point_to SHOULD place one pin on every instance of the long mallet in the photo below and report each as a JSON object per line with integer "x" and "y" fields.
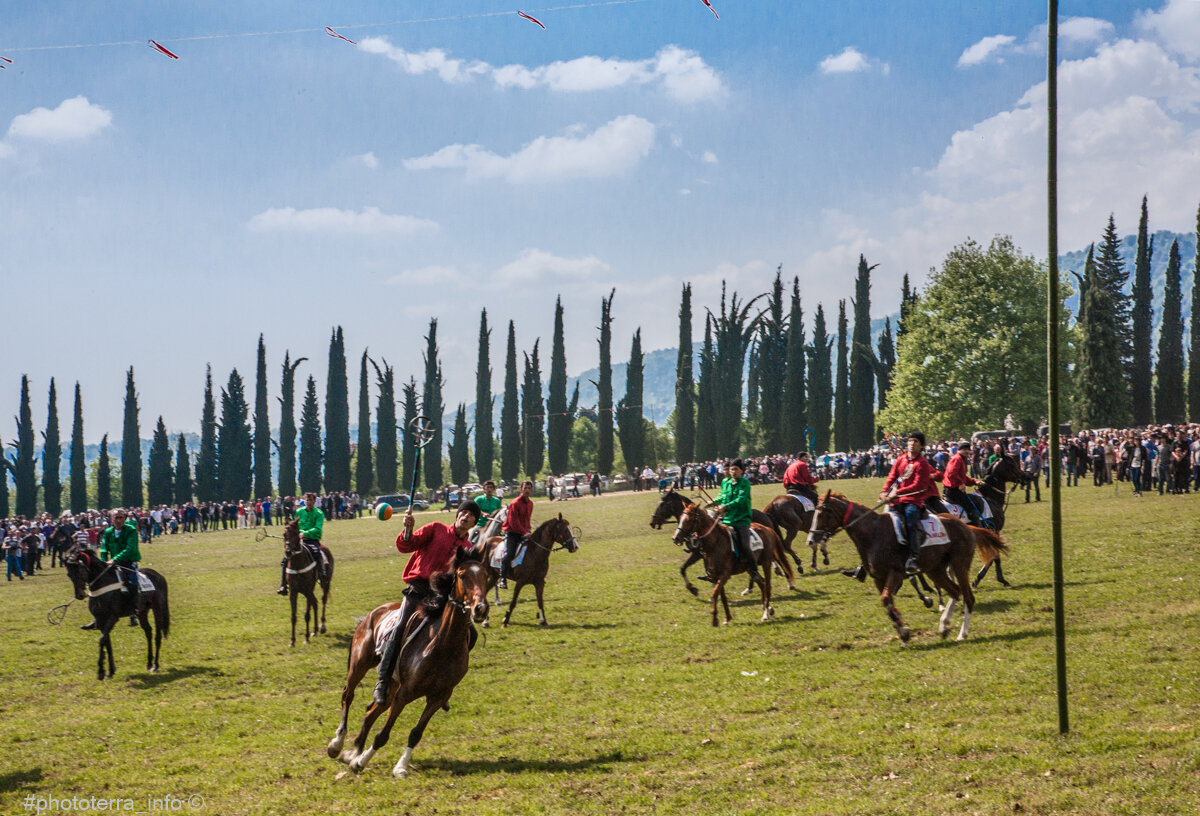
{"x": 421, "y": 433}
{"x": 262, "y": 534}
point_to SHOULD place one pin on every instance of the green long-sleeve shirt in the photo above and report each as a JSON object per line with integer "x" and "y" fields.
{"x": 735, "y": 498}
{"x": 311, "y": 521}
{"x": 120, "y": 545}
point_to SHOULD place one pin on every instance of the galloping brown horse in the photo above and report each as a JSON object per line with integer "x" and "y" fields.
{"x": 790, "y": 514}
{"x": 715, "y": 544}
{"x": 535, "y": 563}
{"x": 874, "y": 537}
{"x": 432, "y": 660}
{"x": 301, "y": 570}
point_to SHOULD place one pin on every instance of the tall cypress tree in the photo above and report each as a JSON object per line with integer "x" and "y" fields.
{"x": 160, "y": 476}
{"x": 706, "y": 420}
{"x": 79, "y": 498}
{"x": 1169, "y": 392}
{"x": 262, "y": 427}
{"x": 558, "y": 423}
{"x": 1101, "y": 401}
{"x": 287, "y": 427}
{"x": 510, "y": 413}
{"x": 235, "y": 470}
{"x": 685, "y": 387}
{"x": 772, "y": 363}
{"x": 131, "y": 449}
{"x": 1112, "y": 275}
{"x": 533, "y": 453}
{"x": 1139, "y": 372}
{"x": 753, "y": 370}
{"x": 861, "y": 399}
{"x": 908, "y": 300}
{"x": 433, "y": 408}
{"x": 385, "y": 424}
{"x": 364, "y": 467}
{"x": 206, "y": 459}
{"x": 485, "y": 439}
{"x": 104, "y": 494}
{"x": 1194, "y": 351}
{"x": 52, "y": 457}
{"x": 183, "y": 472}
{"x": 841, "y": 396}
{"x": 631, "y": 424}
{"x": 604, "y": 403}
{"x": 409, "y": 453}
{"x": 460, "y": 442}
{"x": 24, "y": 466}
{"x": 820, "y": 388}
{"x": 795, "y": 403}
{"x": 886, "y": 362}
{"x": 733, "y": 329}
{"x": 337, "y": 417}
{"x": 310, "y": 440}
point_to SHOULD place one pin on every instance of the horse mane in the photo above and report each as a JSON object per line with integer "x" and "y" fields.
{"x": 442, "y": 584}
{"x": 543, "y": 526}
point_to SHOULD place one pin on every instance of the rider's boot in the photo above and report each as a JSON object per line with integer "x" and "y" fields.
{"x": 505, "y": 567}
{"x": 916, "y": 537}
{"x": 387, "y": 664}
{"x": 752, "y": 568}
{"x": 283, "y": 590}
{"x": 91, "y": 625}
{"x": 859, "y": 573}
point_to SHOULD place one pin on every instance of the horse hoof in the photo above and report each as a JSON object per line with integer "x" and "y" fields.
{"x": 693, "y": 590}
{"x": 334, "y": 748}
{"x": 943, "y": 632}
{"x": 543, "y": 622}
{"x": 792, "y": 587}
{"x": 960, "y": 638}
{"x": 1005, "y": 583}
{"x": 484, "y": 624}
{"x": 745, "y": 592}
{"x": 827, "y": 560}
{"x": 322, "y": 628}
{"x": 400, "y": 773}
{"x": 905, "y": 634}
{"x": 347, "y": 756}
{"x": 771, "y": 611}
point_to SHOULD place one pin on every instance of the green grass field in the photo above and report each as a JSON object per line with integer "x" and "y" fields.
{"x": 630, "y": 702}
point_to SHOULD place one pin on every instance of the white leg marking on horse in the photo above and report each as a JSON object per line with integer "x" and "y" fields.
{"x": 335, "y": 744}
{"x": 944, "y": 623}
{"x": 962, "y": 633}
{"x": 401, "y": 769}
{"x": 360, "y": 761}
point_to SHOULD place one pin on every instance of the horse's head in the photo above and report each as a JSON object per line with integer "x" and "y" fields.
{"x": 291, "y": 537}
{"x": 825, "y": 518}
{"x": 470, "y": 589}
{"x": 1005, "y": 469}
{"x": 564, "y": 534}
{"x": 691, "y": 522}
{"x": 669, "y": 505}
{"x": 79, "y": 561}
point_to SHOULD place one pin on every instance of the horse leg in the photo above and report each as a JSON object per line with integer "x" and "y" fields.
{"x": 1000, "y": 574}
{"x": 917, "y": 588}
{"x": 692, "y": 559}
{"x": 103, "y": 643}
{"x": 952, "y": 588}
{"x": 292, "y": 594}
{"x": 356, "y": 671}
{"x": 537, "y": 588}
{"x": 144, "y": 620}
{"x": 310, "y": 606}
{"x": 887, "y": 596}
{"x": 356, "y": 752}
{"x": 414, "y": 736}
{"x": 983, "y": 572}
{"x": 513, "y": 603}
{"x": 157, "y": 637}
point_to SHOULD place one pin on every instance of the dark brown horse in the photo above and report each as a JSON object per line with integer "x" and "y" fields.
{"x": 109, "y": 602}
{"x": 789, "y": 514}
{"x": 992, "y": 489}
{"x": 534, "y": 564}
{"x": 714, "y": 542}
{"x": 301, "y": 570}
{"x": 874, "y": 536}
{"x": 433, "y": 659}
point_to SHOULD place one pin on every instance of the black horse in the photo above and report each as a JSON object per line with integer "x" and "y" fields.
{"x": 993, "y": 491}
{"x": 109, "y": 602}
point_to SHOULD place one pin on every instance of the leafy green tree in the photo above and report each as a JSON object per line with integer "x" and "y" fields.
{"x": 235, "y": 469}
{"x": 52, "y": 457}
{"x": 310, "y": 440}
{"x": 1194, "y": 350}
{"x": 433, "y": 407}
{"x": 364, "y": 468}
{"x": 820, "y": 382}
{"x": 583, "y": 443}
{"x": 485, "y": 440}
{"x": 604, "y": 402}
{"x": 460, "y": 443}
{"x": 558, "y": 423}
{"x": 861, "y": 402}
{"x": 706, "y": 420}
{"x": 975, "y": 348}
{"x": 532, "y": 409}
{"x": 1101, "y": 396}
{"x": 409, "y": 453}
{"x": 160, "y": 477}
{"x": 262, "y": 427}
{"x": 1142, "y": 315}
{"x": 1169, "y": 393}
{"x": 23, "y": 464}
{"x": 510, "y": 414}
{"x": 795, "y": 403}
{"x": 206, "y": 459}
{"x": 685, "y": 384}
{"x": 631, "y": 425}
{"x": 79, "y": 499}
{"x": 337, "y": 417}
{"x": 287, "y": 428}
{"x": 841, "y": 396}
{"x": 385, "y": 424}
{"x": 104, "y": 494}
{"x": 131, "y": 449}
{"x": 183, "y": 472}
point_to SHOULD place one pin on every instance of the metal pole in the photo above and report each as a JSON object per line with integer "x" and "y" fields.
{"x": 1060, "y": 639}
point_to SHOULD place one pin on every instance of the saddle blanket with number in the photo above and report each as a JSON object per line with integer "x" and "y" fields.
{"x": 935, "y": 531}
{"x": 805, "y": 502}
{"x": 385, "y": 628}
{"x": 983, "y": 508}
{"x": 501, "y": 548}
{"x": 756, "y": 542}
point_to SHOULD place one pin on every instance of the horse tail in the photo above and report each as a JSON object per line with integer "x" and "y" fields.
{"x": 991, "y": 546}
{"x": 166, "y": 608}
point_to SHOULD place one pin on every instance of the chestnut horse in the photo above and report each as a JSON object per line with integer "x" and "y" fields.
{"x": 535, "y": 563}
{"x": 874, "y": 537}
{"x": 109, "y": 603}
{"x": 714, "y": 542}
{"x": 301, "y": 570}
{"x": 432, "y": 661}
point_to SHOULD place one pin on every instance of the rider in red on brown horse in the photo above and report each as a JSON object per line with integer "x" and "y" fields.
{"x": 906, "y": 488}
{"x": 433, "y": 549}
{"x": 799, "y": 479}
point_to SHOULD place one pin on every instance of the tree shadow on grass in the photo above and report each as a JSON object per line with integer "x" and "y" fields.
{"x": 146, "y": 680}
{"x": 533, "y": 624}
{"x": 994, "y": 605}
{"x": 15, "y": 780}
{"x": 515, "y": 765}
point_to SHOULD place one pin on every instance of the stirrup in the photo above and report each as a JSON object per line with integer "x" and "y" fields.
{"x": 911, "y": 567}
{"x": 380, "y": 695}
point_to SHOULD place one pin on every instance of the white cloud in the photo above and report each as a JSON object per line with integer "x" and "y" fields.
{"x": 368, "y": 160}
{"x": 610, "y": 150}
{"x": 369, "y": 221}
{"x": 851, "y": 60}
{"x": 73, "y": 120}
{"x": 533, "y": 265}
{"x": 683, "y": 74}
{"x": 709, "y": 157}
{"x": 987, "y": 47}
{"x": 440, "y": 276}
{"x": 1083, "y": 30}
{"x": 1176, "y": 25}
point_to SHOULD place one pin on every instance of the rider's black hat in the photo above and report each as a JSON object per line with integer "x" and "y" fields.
{"x": 472, "y": 508}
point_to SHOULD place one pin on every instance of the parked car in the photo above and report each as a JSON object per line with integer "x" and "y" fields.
{"x": 400, "y": 501}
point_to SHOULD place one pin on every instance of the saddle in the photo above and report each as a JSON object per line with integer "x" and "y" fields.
{"x": 805, "y": 501}
{"x": 756, "y": 542}
{"x": 935, "y": 531}
{"x": 501, "y": 549}
{"x": 982, "y": 507}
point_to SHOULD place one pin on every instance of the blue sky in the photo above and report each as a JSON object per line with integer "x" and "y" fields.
{"x": 274, "y": 179}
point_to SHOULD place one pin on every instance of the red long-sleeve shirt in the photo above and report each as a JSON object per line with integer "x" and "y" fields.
{"x": 798, "y": 474}
{"x": 913, "y": 479}
{"x": 520, "y": 511}
{"x": 433, "y": 548}
{"x": 956, "y": 473}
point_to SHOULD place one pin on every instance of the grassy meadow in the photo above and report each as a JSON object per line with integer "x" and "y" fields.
{"x": 630, "y": 701}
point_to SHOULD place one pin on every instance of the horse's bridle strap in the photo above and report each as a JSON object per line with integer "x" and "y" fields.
{"x": 311, "y": 565}
{"x": 846, "y": 518}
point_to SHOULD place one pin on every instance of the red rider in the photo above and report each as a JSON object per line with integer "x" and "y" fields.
{"x": 798, "y": 479}
{"x": 907, "y": 487}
